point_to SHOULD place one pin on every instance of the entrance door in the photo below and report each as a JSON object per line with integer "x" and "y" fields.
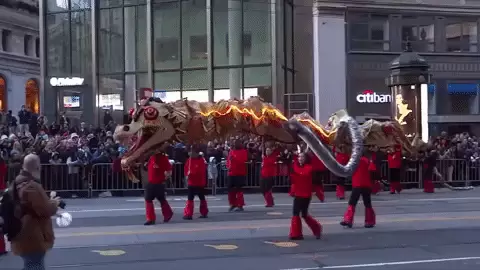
{"x": 32, "y": 96}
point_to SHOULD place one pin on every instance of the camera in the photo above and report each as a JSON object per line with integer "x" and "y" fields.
{"x": 62, "y": 204}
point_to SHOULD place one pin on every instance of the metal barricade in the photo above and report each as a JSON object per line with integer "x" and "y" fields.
{"x": 85, "y": 181}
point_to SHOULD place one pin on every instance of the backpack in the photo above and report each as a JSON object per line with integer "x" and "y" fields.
{"x": 12, "y": 225}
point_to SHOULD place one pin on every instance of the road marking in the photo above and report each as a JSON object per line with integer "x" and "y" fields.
{"x": 274, "y": 213}
{"x": 223, "y": 247}
{"x": 283, "y": 244}
{"x": 396, "y": 263}
{"x": 110, "y": 252}
{"x": 254, "y": 227}
{"x": 281, "y": 205}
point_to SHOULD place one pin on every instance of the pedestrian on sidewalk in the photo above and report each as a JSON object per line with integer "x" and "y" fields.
{"x": 35, "y": 210}
{"x": 361, "y": 186}
{"x": 159, "y": 169}
{"x": 301, "y": 176}
{"x": 195, "y": 168}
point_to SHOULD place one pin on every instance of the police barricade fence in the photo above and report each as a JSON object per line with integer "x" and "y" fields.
{"x": 92, "y": 180}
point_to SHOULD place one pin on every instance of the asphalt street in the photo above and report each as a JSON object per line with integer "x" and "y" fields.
{"x": 414, "y": 231}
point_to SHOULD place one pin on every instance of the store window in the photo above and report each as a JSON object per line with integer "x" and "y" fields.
{"x": 369, "y": 32}
{"x": 462, "y": 36}
{"x": 420, "y": 32}
{"x": 32, "y": 96}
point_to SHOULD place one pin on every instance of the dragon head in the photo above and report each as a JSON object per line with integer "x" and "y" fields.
{"x": 148, "y": 131}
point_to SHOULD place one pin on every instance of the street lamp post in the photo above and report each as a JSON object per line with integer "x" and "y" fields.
{"x": 408, "y": 82}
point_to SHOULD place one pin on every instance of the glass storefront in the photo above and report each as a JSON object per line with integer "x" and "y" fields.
{"x": 205, "y": 50}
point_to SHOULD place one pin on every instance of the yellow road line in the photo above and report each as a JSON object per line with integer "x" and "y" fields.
{"x": 242, "y": 227}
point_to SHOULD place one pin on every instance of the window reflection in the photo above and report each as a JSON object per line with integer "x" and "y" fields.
{"x": 461, "y": 37}
{"x": 369, "y": 32}
{"x": 58, "y": 44}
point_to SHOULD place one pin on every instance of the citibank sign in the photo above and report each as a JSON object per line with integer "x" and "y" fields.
{"x": 368, "y": 96}
{"x": 73, "y": 81}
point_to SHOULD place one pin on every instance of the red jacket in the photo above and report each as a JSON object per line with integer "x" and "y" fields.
{"x": 269, "y": 166}
{"x": 196, "y": 170}
{"x": 361, "y": 177}
{"x": 317, "y": 164}
{"x": 301, "y": 177}
{"x": 373, "y": 166}
{"x": 158, "y": 164}
{"x": 3, "y": 175}
{"x": 341, "y": 158}
{"x": 395, "y": 160}
{"x": 236, "y": 162}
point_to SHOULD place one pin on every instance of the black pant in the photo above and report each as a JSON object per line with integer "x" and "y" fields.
{"x": 341, "y": 181}
{"x": 300, "y": 206}
{"x": 366, "y": 194}
{"x": 155, "y": 191}
{"x": 395, "y": 174}
{"x": 266, "y": 184}
{"x": 236, "y": 182}
{"x": 196, "y": 191}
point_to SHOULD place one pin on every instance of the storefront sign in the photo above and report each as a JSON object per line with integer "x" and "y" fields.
{"x": 73, "y": 81}
{"x": 368, "y": 96}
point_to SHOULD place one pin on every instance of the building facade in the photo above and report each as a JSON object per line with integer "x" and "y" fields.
{"x": 19, "y": 56}
{"x": 98, "y": 54}
{"x": 356, "y": 41}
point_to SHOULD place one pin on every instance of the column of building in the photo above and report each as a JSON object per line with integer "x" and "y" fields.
{"x": 329, "y": 55}
{"x": 235, "y": 47}
{"x": 130, "y": 57}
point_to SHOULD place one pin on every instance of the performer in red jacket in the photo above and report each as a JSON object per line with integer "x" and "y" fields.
{"x": 342, "y": 157}
{"x": 429, "y": 171}
{"x": 319, "y": 175}
{"x": 302, "y": 178}
{"x": 159, "y": 169}
{"x": 374, "y": 173}
{"x": 237, "y": 173}
{"x": 268, "y": 173}
{"x": 195, "y": 172}
{"x": 395, "y": 164}
{"x": 361, "y": 186}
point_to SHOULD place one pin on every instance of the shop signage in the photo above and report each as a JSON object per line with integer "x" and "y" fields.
{"x": 368, "y": 96}
{"x": 73, "y": 81}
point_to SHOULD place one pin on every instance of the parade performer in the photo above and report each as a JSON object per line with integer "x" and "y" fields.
{"x": 375, "y": 173}
{"x": 3, "y": 186}
{"x": 301, "y": 176}
{"x": 237, "y": 173}
{"x": 361, "y": 186}
{"x": 195, "y": 168}
{"x": 395, "y": 164}
{"x": 268, "y": 172}
{"x": 429, "y": 171}
{"x": 342, "y": 158}
{"x": 320, "y": 174}
{"x": 159, "y": 169}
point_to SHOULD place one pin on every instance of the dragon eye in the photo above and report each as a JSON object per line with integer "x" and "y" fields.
{"x": 150, "y": 113}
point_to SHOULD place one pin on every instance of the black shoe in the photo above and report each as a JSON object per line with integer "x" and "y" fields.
{"x": 392, "y": 192}
{"x": 148, "y": 223}
{"x": 239, "y": 209}
{"x": 204, "y": 216}
{"x": 346, "y": 224}
{"x": 368, "y": 226}
{"x": 296, "y": 238}
{"x": 3, "y": 253}
{"x": 231, "y": 208}
{"x": 341, "y": 198}
{"x": 187, "y": 218}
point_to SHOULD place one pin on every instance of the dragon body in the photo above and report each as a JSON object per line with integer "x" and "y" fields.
{"x": 155, "y": 123}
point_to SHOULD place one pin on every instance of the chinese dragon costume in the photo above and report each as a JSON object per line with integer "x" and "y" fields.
{"x": 155, "y": 122}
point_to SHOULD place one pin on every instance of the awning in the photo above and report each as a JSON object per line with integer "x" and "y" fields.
{"x": 462, "y": 88}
